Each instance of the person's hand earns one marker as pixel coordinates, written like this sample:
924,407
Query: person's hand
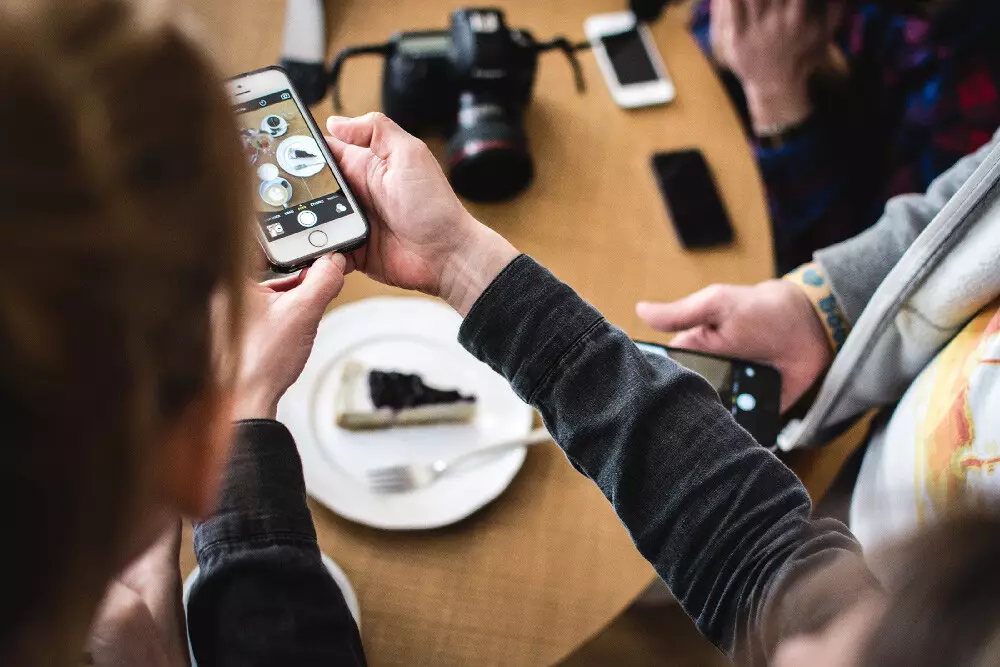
283,316
773,46
141,619
771,323
421,236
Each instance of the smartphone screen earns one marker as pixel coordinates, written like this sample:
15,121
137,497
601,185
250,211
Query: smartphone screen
692,199
752,392
629,59
294,188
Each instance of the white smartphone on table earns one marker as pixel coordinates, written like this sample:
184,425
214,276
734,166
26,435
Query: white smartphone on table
303,206
629,61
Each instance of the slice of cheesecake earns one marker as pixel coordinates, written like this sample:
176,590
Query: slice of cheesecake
370,399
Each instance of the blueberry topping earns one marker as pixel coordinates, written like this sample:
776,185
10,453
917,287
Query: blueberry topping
400,390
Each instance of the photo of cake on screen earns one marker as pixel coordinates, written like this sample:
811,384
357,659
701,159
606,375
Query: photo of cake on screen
293,186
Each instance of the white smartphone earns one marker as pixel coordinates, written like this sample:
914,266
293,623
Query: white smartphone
629,61
302,204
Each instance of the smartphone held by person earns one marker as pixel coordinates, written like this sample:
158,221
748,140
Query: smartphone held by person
751,391
303,206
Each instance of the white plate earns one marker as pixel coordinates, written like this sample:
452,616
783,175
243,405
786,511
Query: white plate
302,167
409,335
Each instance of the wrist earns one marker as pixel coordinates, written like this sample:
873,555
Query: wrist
473,266
777,105
812,285
256,403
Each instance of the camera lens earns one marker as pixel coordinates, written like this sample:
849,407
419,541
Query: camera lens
488,157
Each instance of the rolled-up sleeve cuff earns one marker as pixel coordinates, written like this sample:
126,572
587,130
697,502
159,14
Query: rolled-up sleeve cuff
524,324
263,496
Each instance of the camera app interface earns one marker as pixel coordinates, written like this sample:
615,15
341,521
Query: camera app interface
294,188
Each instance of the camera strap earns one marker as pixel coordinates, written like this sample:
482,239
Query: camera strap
384,50
569,49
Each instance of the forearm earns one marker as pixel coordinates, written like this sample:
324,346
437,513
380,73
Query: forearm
263,596
776,85
804,153
724,523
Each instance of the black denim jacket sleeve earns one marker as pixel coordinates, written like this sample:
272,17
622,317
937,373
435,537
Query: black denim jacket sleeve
263,596
724,523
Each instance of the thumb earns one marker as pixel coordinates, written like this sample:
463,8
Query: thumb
322,282
374,131
354,131
700,309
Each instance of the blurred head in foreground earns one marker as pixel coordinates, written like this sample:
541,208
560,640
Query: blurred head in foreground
123,223
941,605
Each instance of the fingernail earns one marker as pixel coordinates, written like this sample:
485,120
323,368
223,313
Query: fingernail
339,260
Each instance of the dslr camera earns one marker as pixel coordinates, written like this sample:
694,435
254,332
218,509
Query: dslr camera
471,82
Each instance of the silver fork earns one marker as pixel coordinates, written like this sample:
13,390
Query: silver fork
403,478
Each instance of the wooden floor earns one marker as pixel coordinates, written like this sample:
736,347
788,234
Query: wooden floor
649,637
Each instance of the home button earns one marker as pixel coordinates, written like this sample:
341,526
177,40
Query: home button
318,239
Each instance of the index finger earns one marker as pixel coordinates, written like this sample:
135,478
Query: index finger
699,309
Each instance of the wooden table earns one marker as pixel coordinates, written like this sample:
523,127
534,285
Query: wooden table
532,577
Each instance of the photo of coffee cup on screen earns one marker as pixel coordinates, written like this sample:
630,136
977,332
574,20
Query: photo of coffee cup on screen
274,125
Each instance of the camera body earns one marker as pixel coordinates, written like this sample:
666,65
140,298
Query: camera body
471,82
427,72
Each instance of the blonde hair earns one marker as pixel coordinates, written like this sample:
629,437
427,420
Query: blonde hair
124,209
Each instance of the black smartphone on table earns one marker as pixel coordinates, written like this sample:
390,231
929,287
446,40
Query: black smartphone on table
692,199
751,391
